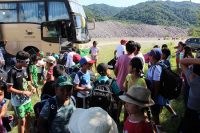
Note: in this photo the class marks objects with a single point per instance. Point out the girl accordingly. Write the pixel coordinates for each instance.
(136, 100)
(135, 72)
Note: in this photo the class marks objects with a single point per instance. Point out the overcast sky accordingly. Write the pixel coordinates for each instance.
(121, 3)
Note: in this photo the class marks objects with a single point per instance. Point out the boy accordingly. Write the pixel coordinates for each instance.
(56, 121)
(153, 75)
(121, 49)
(82, 82)
(103, 79)
(18, 86)
(94, 51)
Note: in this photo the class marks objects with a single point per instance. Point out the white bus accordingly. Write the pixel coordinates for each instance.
(46, 25)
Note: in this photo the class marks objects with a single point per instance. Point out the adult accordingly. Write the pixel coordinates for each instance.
(121, 49)
(191, 120)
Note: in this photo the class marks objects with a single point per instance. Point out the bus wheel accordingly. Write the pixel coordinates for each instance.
(31, 50)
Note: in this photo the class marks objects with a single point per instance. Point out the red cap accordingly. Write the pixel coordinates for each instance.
(76, 58)
(123, 41)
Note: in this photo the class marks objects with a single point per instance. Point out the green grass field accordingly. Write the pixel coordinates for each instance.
(170, 125)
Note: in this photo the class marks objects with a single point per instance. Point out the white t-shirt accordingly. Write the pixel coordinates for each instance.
(142, 57)
(155, 71)
(94, 51)
(70, 62)
(120, 50)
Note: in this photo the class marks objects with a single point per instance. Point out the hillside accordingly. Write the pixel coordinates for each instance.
(102, 11)
(182, 14)
(110, 29)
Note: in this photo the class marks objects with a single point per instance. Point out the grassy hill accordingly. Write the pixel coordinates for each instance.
(182, 14)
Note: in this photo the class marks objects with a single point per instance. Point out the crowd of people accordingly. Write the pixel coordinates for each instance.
(74, 99)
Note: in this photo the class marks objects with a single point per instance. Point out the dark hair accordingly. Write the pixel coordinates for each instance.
(22, 55)
(102, 68)
(3, 86)
(130, 46)
(182, 44)
(137, 63)
(94, 42)
(58, 70)
(156, 46)
(34, 58)
(188, 52)
(164, 46)
(166, 52)
(138, 46)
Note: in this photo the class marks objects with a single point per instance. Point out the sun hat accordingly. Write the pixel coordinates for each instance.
(92, 120)
(63, 81)
(139, 96)
(50, 59)
(85, 60)
(156, 53)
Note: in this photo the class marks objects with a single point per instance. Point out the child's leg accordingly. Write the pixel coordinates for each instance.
(21, 125)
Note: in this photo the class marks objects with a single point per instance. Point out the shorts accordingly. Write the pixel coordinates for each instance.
(94, 57)
(22, 110)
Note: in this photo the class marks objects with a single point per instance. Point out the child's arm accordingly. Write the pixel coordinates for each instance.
(16, 91)
(3, 111)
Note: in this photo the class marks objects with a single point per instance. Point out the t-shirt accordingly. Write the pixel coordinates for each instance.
(70, 62)
(40, 65)
(121, 67)
(34, 71)
(137, 127)
(154, 74)
(142, 57)
(60, 122)
(167, 63)
(120, 50)
(94, 51)
(114, 87)
(17, 78)
(194, 92)
(140, 82)
(83, 79)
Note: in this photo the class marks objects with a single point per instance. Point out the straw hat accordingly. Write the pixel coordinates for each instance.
(92, 120)
(139, 96)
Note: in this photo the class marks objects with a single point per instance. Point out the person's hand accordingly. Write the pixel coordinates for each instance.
(27, 93)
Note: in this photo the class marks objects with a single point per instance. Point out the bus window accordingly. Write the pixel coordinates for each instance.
(8, 12)
(32, 12)
(77, 8)
(49, 31)
(57, 10)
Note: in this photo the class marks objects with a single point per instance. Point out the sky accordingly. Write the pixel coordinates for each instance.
(121, 3)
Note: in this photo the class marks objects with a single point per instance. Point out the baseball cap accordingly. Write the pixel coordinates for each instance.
(63, 81)
(156, 53)
(76, 58)
(85, 60)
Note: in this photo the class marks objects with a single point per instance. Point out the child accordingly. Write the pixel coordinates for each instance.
(166, 102)
(103, 79)
(134, 76)
(136, 100)
(20, 95)
(82, 82)
(41, 66)
(3, 107)
(56, 121)
(33, 72)
(50, 63)
(94, 51)
(96, 120)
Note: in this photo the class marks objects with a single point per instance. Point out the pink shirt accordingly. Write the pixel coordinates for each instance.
(122, 69)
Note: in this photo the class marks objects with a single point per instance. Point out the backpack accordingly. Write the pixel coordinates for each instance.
(171, 83)
(53, 110)
(101, 95)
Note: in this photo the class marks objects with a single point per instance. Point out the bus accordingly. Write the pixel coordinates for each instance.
(42, 25)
